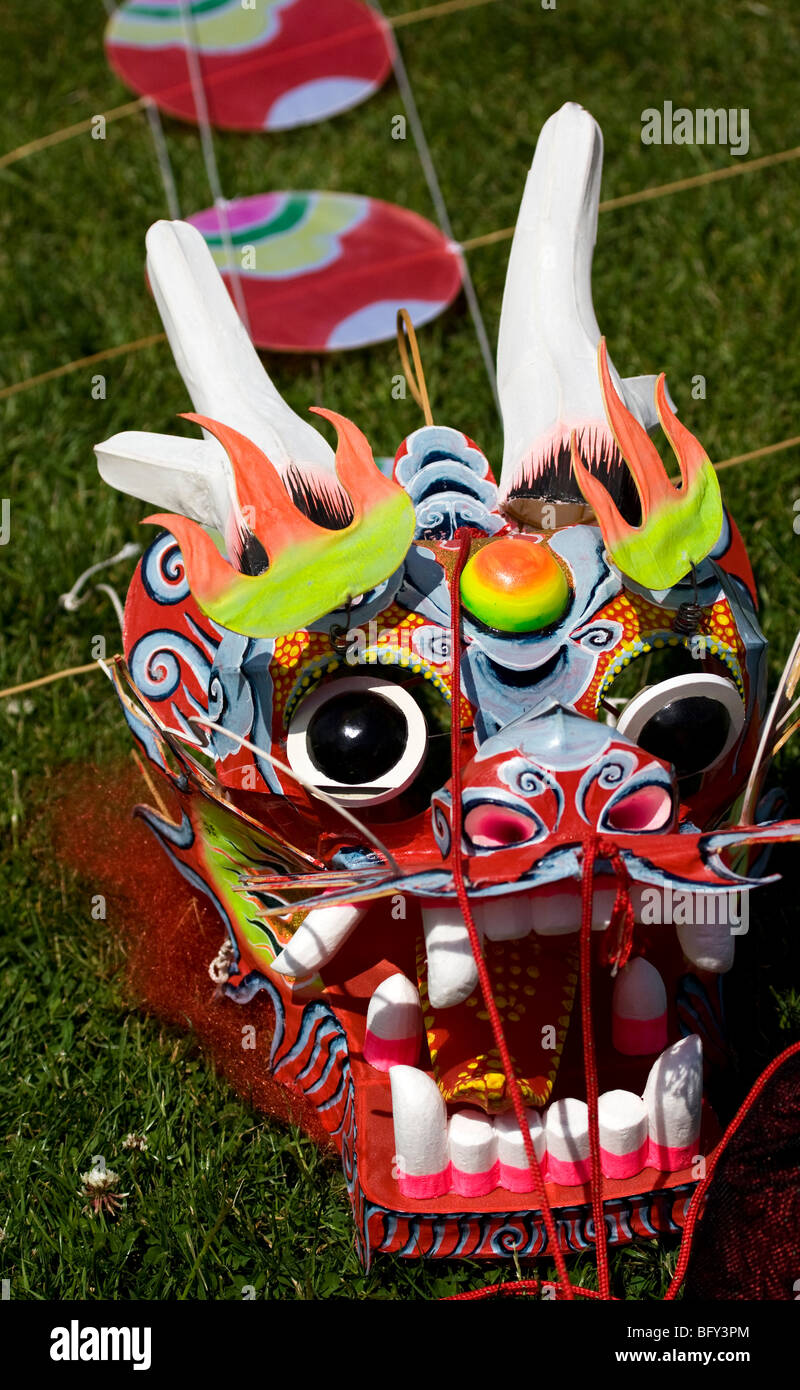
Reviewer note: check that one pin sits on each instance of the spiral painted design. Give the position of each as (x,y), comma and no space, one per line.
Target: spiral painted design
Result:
(158,660)
(509,1239)
(444,512)
(530,782)
(441,827)
(164,571)
(217,703)
(613,773)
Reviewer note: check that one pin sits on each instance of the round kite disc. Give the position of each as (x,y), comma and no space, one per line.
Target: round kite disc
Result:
(321,271)
(269,66)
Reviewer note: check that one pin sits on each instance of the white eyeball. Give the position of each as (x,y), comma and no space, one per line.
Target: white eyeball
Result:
(691,721)
(361,739)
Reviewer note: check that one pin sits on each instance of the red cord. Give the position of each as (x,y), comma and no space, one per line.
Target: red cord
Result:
(593,846)
(526,1287)
(464,536)
(618,939)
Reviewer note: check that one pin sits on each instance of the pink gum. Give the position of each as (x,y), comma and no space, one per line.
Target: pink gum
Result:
(562,1171)
(669,1160)
(475,1184)
(424,1184)
(566,1172)
(383,1053)
(624,1165)
(638,1037)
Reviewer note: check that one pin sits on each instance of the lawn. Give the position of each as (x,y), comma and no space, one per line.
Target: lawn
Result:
(704,282)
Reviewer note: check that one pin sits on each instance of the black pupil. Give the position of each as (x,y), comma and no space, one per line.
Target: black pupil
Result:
(356,738)
(689,733)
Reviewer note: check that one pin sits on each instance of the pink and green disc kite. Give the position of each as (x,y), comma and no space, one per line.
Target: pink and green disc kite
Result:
(321,271)
(269,66)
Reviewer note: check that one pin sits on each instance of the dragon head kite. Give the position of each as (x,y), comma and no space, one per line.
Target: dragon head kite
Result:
(431,738)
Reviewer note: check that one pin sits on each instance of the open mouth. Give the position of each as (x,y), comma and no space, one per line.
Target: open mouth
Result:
(433,1103)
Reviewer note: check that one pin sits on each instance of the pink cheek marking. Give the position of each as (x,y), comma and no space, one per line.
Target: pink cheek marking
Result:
(647,809)
(493,827)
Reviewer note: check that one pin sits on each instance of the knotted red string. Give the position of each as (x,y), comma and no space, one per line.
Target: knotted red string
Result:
(464,536)
(699,1195)
(520,1287)
(593,848)
(618,939)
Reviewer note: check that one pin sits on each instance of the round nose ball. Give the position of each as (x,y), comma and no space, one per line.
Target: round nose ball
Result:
(514,584)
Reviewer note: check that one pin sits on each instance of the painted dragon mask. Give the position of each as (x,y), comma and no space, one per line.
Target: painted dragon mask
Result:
(371,696)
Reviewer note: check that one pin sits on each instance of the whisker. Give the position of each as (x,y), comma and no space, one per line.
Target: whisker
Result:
(308,786)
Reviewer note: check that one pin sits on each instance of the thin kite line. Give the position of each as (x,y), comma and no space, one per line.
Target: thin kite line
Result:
(163,159)
(67,367)
(443,217)
(129,108)
(399,21)
(192,51)
(54,676)
(759,453)
(66,132)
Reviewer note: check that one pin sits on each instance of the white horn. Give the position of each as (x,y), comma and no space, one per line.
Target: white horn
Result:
(225,380)
(547,351)
(192,477)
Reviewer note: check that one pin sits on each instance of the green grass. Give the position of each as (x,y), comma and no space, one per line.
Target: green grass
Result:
(705,282)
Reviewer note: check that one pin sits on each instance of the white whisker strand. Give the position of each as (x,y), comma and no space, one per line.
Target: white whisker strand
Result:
(308,786)
(70,601)
(115,600)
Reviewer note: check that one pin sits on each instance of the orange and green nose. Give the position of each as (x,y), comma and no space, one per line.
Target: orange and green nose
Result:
(515,584)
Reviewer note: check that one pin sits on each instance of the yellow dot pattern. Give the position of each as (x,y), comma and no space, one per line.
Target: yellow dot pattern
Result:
(303,659)
(480,1079)
(644,630)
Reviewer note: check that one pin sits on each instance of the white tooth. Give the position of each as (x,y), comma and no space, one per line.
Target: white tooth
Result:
(317,939)
(559,914)
(452,972)
(512,1159)
(420,1133)
(473,1153)
(394,1024)
(504,919)
(709,944)
(622,1121)
(674,1096)
(566,1128)
(639,1010)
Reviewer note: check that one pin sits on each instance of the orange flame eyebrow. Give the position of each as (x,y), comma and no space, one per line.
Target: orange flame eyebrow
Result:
(312,570)
(679,525)
(260,488)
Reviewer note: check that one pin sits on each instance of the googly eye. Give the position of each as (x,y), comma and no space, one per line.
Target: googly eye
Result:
(690,721)
(360,739)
